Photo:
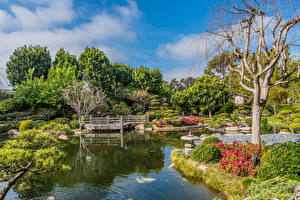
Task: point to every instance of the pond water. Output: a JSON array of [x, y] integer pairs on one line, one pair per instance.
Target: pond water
[[138, 171]]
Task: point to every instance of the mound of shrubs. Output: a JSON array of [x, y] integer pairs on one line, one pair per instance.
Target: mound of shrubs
[[210, 140], [206, 154], [283, 159], [74, 124], [277, 188]]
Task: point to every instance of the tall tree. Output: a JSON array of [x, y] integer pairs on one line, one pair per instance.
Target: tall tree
[[32, 152], [248, 32], [218, 65], [63, 58], [277, 96], [123, 77], [25, 58], [147, 79], [96, 69], [210, 92]]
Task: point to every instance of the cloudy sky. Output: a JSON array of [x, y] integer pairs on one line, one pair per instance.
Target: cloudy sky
[[167, 34]]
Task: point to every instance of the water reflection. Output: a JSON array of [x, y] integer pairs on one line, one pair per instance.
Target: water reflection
[[111, 172]]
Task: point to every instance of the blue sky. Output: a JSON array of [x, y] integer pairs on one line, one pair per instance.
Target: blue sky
[[168, 34], [152, 33]]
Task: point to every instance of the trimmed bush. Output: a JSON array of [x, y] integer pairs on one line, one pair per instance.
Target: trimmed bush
[[277, 188], [74, 124], [247, 182], [6, 127], [62, 120], [25, 125], [54, 128], [282, 159], [206, 154], [278, 116], [7, 106], [285, 112], [210, 140], [38, 124], [295, 127]]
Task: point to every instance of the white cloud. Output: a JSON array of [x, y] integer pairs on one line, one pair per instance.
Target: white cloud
[[38, 27]]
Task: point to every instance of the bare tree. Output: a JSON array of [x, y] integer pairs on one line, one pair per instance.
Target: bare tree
[[257, 33], [83, 99]]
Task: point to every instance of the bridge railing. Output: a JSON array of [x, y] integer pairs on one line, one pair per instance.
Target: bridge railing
[[115, 121]]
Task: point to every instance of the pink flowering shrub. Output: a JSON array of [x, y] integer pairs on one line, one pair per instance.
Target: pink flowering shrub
[[237, 157], [191, 120], [160, 123]]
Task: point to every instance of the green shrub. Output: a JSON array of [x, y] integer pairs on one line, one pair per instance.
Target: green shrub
[[8, 116], [265, 127], [38, 124], [295, 127], [278, 116], [62, 120], [247, 182], [248, 121], [282, 159], [206, 154], [210, 140], [74, 124], [25, 125], [278, 188], [48, 113], [8, 106], [148, 124], [296, 120], [215, 117], [285, 112], [284, 130], [53, 127]]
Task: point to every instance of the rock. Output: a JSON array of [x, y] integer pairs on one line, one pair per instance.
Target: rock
[[216, 134], [285, 133], [148, 129], [140, 127], [63, 137], [13, 132], [202, 167], [51, 198]]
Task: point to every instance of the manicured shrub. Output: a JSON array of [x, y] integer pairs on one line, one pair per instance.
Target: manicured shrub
[[54, 128], [25, 125], [48, 113], [210, 140], [38, 124], [278, 116], [191, 120], [295, 127], [62, 120], [282, 159], [8, 116], [8, 126], [74, 124], [285, 112], [277, 188], [247, 182], [206, 154], [248, 121], [8, 105]]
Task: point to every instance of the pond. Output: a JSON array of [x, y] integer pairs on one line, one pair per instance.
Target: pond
[[140, 170]]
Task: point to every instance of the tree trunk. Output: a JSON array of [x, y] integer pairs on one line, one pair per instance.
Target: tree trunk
[[259, 102], [10, 183], [209, 112]]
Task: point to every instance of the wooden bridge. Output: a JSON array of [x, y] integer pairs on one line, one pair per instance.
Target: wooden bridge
[[114, 123]]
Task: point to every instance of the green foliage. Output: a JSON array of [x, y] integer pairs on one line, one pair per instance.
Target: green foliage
[[180, 100], [206, 154], [141, 99], [38, 124], [25, 58], [282, 159], [48, 113], [210, 140], [277, 188], [62, 120], [59, 78], [121, 109], [147, 79], [25, 125], [169, 115], [8, 126], [248, 121], [74, 124], [208, 91], [277, 96], [4, 95], [247, 182], [95, 67], [295, 127], [285, 112], [265, 128], [54, 128], [63, 58], [8, 106], [29, 91], [218, 65], [278, 116], [31, 150], [123, 77]]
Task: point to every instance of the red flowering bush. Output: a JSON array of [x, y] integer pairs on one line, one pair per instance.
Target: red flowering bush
[[160, 123], [191, 120], [237, 157]]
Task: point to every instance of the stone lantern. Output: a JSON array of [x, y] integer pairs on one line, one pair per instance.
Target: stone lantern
[[189, 146]]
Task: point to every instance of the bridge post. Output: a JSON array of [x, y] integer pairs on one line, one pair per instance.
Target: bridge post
[[121, 131]]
